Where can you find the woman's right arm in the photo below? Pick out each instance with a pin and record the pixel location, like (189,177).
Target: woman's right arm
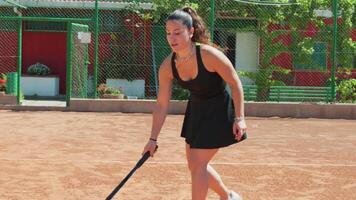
(160,110)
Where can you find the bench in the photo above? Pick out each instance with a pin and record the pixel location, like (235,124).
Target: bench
(291,93)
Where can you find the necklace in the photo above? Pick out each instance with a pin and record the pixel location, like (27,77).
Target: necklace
(184,59)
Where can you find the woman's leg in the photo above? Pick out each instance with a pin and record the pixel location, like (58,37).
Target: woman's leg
(216,183)
(214,180)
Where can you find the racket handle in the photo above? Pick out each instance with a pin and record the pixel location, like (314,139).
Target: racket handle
(144,158)
(244,137)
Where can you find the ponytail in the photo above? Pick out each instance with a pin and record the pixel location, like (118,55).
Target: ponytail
(201,34)
(190,18)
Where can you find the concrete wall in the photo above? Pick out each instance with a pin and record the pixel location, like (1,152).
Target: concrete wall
(295,110)
(300,110)
(8,100)
(252,109)
(123,105)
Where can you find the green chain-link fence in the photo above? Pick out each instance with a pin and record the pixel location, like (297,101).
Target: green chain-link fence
(283,50)
(125,51)
(78,60)
(8,52)
(36,32)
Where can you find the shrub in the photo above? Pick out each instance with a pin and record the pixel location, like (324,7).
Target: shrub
(38,69)
(104,89)
(3,80)
(3,76)
(346,91)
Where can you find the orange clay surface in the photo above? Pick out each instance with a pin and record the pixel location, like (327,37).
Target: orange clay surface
(69,155)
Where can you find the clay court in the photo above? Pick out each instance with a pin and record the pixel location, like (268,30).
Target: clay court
(69,156)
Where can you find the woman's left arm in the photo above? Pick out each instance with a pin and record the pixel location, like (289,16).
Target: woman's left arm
(214,60)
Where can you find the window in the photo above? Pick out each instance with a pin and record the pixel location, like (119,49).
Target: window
(45,26)
(318,61)
(319,55)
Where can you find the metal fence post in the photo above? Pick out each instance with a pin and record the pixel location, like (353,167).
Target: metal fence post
(212,19)
(96,48)
(69,64)
(19,58)
(334,49)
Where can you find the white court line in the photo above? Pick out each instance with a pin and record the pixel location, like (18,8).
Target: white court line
(266,164)
(180,163)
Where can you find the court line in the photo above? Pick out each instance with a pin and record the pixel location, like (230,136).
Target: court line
(181,163)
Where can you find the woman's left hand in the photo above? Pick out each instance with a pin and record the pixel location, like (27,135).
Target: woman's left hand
(239,129)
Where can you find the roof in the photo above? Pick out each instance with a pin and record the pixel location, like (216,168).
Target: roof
(86,4)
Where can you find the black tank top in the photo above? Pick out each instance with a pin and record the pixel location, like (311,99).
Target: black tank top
(205,85)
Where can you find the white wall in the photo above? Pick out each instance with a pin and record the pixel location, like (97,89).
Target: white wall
(130,88)
(247,50)
(41,86)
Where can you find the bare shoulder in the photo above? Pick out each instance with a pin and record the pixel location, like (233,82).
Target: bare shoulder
(166,68)
(210,51)
(213,57)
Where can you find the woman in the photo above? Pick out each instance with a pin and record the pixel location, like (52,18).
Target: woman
(210,121)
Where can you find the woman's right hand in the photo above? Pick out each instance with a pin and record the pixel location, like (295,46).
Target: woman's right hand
(151,146)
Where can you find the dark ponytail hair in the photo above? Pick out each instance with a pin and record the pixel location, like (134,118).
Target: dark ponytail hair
(190,18)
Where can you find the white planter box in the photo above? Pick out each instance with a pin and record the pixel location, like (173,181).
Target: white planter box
(130,88)
(41,86)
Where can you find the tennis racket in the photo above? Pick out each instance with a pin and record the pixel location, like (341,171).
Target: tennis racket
(122,183)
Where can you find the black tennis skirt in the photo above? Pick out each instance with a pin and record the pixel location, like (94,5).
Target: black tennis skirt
(208,122)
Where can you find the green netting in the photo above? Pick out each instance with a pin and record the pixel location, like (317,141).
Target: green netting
(79,60)
(269,45)
(289,45)
(11,83)
(9,53)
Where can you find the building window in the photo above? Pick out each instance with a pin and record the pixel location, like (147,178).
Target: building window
(319,56)
(318,59)
(45,26)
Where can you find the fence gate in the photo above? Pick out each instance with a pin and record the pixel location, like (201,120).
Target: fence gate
(78,39)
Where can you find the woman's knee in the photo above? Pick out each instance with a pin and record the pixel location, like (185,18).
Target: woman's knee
(198,159)
(198,162)
(197,165)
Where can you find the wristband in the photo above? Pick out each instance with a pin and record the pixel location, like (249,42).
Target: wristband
(152,139)
(238,119)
